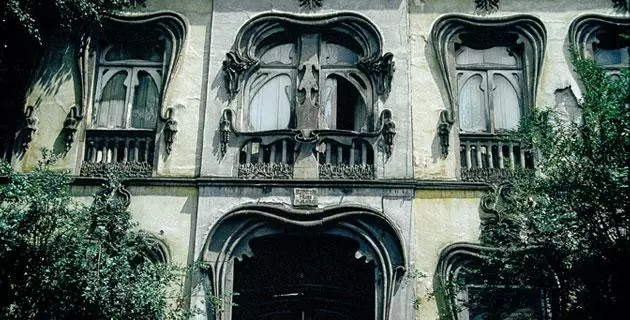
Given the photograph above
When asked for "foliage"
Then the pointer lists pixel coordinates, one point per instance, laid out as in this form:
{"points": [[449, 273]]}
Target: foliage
{"points": [[60, 259], [567, 227], [38, 16]]}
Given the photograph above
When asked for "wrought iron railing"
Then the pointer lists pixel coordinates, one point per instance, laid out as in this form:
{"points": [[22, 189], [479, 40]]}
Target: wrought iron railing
{"points": [[130, 151]]}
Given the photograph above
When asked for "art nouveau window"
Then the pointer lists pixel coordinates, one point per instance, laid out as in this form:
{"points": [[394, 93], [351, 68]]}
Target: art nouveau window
{"points": [[126, 66]]}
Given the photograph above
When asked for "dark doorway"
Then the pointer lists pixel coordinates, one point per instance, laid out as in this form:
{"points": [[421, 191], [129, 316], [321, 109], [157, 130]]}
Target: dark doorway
{"points": [[304, 277]]}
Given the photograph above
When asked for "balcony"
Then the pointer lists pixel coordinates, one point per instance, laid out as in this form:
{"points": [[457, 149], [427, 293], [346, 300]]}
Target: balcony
{"points": [[266, 161], [339, 161], [127, 152], [489, 158]]}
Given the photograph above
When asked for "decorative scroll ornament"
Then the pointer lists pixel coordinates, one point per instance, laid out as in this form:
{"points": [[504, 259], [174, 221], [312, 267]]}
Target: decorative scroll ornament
{"points": [[265, 171], [234, 66], [346, 171], [381, 69], [170, 130], [30, 126], [70, 126], [444, 130], [487, 6], [114, 189], [311, 4], [490, 202]]}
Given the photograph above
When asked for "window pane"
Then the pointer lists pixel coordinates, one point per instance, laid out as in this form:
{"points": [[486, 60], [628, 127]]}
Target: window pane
{"points": [[111, 106], [473, 112], [143, 50], [333, 53], [494, 55], [146, 101], [279, 54], [470, 56], [270, 107], [611, 56], [344, 108], [507, 113]]}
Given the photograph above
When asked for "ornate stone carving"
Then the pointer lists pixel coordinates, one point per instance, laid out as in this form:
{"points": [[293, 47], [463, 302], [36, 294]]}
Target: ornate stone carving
{"points": [[265, 171], [492, 175], [487, 6], [234, 66], [125, 169], [381, 69], [388, 131], [444, 131], [622, 6], [346, 171], [70, 127], [225, 127], [30, 126], [490, 201], [310, 4], [170, 130]]}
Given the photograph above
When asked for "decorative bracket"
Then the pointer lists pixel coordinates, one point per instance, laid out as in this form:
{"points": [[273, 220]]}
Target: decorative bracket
{"points": [[500, 192], [487, 6], [170, 129], [381, 70], [234, 66], [310, 4], [30, 127], [114, 188], [444, 130], [388, 131], [70, 126], [225, 127]]}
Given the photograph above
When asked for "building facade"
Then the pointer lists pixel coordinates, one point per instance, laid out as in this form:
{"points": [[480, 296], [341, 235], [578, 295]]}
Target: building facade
{"points": [[324, 159]]}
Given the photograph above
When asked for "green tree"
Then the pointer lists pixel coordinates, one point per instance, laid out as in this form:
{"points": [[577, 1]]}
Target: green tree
{"points": [[60, 259], [567, 227]]}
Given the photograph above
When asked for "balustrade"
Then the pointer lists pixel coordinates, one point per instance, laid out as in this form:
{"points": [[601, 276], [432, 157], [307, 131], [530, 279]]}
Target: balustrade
{"points": [[130, 150], [340, 161], [482, 155], [271, 161]]}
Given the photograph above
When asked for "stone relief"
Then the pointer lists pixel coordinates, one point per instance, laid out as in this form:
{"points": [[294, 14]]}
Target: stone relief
{"points": [[265, 171], [311, 4], [346, 171]]}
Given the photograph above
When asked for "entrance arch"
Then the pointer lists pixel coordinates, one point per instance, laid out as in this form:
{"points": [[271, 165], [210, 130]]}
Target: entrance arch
{"points": [[298, 243]]}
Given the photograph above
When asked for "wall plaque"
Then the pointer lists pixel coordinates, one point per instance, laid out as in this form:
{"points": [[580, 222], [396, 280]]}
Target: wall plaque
{"points": [[303, 197]]}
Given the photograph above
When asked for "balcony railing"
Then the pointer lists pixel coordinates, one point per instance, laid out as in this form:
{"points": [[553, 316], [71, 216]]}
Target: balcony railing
{"points": [[340, 161], [271, 161], [130, 151], [488, 157]]}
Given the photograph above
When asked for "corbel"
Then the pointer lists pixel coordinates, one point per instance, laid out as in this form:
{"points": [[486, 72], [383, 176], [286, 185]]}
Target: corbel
{"points": [[444, 131], [30, 126], [225, 127], [234, 66], [388, 131], [381, 69], [70, 126], [170, 129]]}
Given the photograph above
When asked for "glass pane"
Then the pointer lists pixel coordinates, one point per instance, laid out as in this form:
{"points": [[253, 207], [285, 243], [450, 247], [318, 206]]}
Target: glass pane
{"points": [[494, 55], [143, 50], [344, 108], [611, 56], [473, 112], [507, 112], [279, 54], [333, 53], [146, 102], [270, 107], [111, 106], [470, 56]]}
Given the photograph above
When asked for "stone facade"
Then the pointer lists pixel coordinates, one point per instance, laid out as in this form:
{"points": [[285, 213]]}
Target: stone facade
{"points": [[402, 200]]}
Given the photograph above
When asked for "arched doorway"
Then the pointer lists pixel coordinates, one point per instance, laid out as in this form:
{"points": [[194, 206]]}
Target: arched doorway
{"points": [[304, 277], [342, 262]]}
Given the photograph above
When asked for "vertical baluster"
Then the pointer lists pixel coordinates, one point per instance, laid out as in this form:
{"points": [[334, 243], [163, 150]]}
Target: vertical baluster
{"points": [[339, 154], [352, 150], [147, 143], [126, 150], [284, 151], [272, 153], [468, 156], [248, 155], [115, 150], [103, 148], [478, 145], [136, 150], [92, 150], [490, 156], [363, 153], [328, 146], [511, 151], [500, 146]]}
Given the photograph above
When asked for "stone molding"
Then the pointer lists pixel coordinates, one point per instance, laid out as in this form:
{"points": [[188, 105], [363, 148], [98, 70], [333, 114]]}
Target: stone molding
{"points": [[584, 27]]}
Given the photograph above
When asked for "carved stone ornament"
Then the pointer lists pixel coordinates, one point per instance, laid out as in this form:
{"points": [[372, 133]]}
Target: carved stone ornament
{"points": [[70, 127], [528, 30], [487, 6], [168, 24], [310, 4], [621, 6], [346, 171], [265, 171], [170, 130], [234, 66], [444, 131], [379, 240], [381, 70], [114, 189], [127, 169], [30, 126]]}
